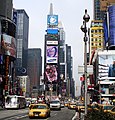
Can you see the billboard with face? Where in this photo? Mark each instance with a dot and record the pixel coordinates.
(106, 66)
(52, 54)
(8, 45)
(51, 73)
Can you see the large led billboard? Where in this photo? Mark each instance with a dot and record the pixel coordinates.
(52, 30)
(8, 45)
(52, 37)
(106, 65)
(51, 54)
(51, 73)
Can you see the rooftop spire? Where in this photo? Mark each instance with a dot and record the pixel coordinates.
(51, 9)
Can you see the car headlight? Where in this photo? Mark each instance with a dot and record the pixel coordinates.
(43, 112)
(31, 113)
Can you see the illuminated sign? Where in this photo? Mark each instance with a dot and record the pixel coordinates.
(52, 54)
(52, 42)
(52, 30)
(52, 20)
(106, 67)
(51, 73)
(8, 45)
(52, 37)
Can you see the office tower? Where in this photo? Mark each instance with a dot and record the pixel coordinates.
(62, 60)
(70, 81)
(51, 55)
(22, 41)
(34, 69)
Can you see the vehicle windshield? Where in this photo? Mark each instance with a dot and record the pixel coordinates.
(107, 107)
(10, 100)
(54, 102)
(38, 107)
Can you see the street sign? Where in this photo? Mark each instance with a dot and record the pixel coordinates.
(89, 69)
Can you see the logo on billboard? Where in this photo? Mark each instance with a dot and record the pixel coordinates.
(52, 20)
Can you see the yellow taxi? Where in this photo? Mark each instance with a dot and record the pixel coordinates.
(72, 106)
(39, 110)
(106, 107)
(66, 104)
(92, 107)
(80, 107)
(112, 111)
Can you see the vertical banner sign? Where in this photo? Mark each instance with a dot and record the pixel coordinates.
(6, 72)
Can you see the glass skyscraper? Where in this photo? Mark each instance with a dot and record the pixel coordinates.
(22, 39)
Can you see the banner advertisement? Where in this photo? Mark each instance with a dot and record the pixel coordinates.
(8, 44)
(51, 73)
(52, 54)
(106, 67)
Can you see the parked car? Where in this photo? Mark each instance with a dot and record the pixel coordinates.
(55, 104)
(39, 110)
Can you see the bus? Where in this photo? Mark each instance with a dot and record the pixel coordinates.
(15, 102)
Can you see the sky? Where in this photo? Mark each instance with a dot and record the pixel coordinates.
(70, 13)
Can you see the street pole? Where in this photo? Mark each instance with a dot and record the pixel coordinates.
(85, 70)
(86, 18)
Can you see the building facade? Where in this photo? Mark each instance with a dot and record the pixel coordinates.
(7, 49)
(22, 23)
(6, 8)
(34, 69)
(96, 36)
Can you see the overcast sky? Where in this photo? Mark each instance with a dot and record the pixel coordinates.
(70, 13)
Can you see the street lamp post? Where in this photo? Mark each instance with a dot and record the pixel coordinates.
(86, 18)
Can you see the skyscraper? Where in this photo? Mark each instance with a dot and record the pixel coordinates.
(34, 69)
(22, 41)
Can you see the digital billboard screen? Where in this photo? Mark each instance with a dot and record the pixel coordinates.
(52, 37)
(106, 65)
(51, 54)
(52, 31)
(51, 73)
(8, 45)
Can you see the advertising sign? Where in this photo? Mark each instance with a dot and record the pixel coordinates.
(106, 66)
(14, 16)
(52, 42)
(52, 37)
(51, 73)
(52, 54)
(52, 20)
(8, 44)
(52, 30)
